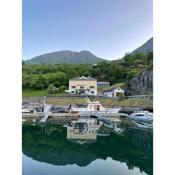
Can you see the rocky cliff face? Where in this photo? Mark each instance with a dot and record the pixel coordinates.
(141, 84)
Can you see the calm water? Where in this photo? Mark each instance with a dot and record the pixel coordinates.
(46, 151)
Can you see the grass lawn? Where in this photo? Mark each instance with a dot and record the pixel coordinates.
(65, 101)
(127, 102)
(37, 93)
(33, 93)
(74, 100)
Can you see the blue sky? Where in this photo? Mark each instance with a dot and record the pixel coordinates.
(107, 28)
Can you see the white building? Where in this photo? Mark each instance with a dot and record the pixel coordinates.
(115, 92)
(103, 84)
(83, 85)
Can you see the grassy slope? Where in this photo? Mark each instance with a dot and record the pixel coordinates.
(127, 102)
(122, 85)
(105, 101)
(33, 93)
(37, 93)
(67, 101)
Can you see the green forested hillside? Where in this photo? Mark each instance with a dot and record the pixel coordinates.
(38, 76)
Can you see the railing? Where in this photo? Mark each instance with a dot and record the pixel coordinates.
(139, 96)
(85, 96)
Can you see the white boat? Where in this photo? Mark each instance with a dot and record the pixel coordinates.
(113, 124)
(141, 114)
(143, 124)
(26, 111)
(83, 129)
(94, 106)
(143, 119)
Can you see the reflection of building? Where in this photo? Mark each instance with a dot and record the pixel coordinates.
(83, 129)
(83, 85)
(115, 92)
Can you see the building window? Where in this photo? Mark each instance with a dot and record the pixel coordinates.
(73, 87)
(81, 87)
(72, 92)
(92, 92)
(91, 87)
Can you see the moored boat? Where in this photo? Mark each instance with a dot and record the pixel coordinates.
(94, 106)
(142, 119)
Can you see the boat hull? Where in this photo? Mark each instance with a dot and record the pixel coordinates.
(142, 124)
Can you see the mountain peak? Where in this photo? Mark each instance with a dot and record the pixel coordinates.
(85, 51)
(66, 56)
(146, 47)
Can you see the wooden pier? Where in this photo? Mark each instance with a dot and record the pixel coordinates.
(52, 117)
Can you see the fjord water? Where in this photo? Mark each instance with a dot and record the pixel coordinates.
(46, 151)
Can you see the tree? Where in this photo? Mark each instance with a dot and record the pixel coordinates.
(132, 73)
(62, 88)
(128, 59)
(26, 80)
(52, 89)
(40, 81)
(149, 58)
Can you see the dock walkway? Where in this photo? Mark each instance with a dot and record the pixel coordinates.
(47, 113)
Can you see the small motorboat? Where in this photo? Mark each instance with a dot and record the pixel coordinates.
(143, 119)
(112, 124)
(26, 111)
(141, 114)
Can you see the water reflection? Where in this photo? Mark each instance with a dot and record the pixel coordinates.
(86, 130)
(49, 144)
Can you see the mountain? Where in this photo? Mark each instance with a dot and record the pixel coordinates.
(83, 57)
(145, 48)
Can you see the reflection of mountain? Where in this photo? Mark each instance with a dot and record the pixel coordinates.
(135, 148)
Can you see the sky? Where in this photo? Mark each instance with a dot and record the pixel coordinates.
(107, 28)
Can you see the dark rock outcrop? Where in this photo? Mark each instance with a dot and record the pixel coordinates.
(141, 84)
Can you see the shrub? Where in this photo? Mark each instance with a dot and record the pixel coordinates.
(62, 88)
(52, 89)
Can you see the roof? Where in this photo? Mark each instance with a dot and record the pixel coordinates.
(103, 82)
(109, 90)
(112, 89)
(83, 78)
